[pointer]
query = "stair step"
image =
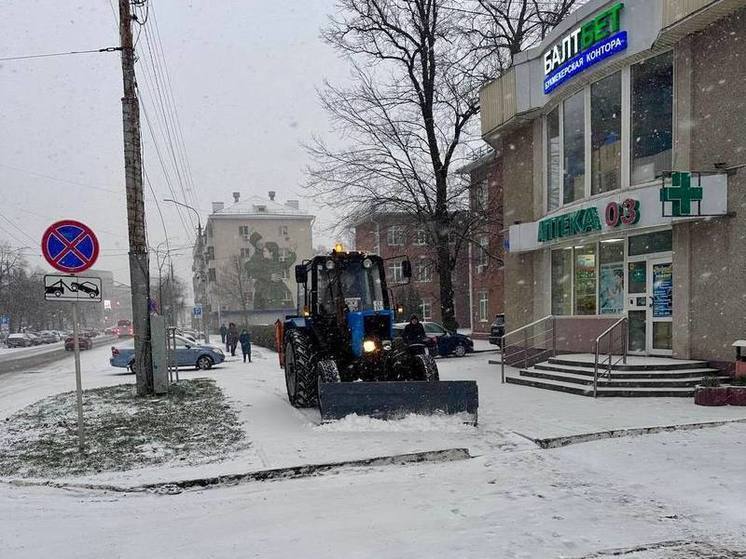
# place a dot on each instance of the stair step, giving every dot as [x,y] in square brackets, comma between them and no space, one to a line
[651,374]
[615,382]
[653,364]
[583,390]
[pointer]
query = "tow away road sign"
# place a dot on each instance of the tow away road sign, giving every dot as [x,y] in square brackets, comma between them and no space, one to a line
[69,246]
[72,288]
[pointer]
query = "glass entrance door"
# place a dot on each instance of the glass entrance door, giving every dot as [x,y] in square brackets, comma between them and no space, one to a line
[650,305]
[660,316]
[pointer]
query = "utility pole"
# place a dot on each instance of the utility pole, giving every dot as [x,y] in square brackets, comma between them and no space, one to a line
[138,247]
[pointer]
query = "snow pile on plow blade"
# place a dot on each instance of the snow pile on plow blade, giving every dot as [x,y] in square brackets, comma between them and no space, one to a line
[394,400]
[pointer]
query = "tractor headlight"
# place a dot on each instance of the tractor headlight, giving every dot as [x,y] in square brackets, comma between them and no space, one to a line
[330,264]
[386,344]
[369,346]
[367,263]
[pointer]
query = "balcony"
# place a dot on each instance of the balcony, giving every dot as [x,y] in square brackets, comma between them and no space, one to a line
[497,102]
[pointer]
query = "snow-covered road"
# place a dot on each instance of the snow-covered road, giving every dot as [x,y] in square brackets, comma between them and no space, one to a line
[512,500]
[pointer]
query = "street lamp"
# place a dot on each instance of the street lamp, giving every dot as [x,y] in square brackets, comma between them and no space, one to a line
[205,325]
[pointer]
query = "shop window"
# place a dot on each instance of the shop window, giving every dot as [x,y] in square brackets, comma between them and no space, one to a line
[573,132]
[660,241]
[562,282]
[611,277]
[606,134]
[553,160]
[652,117]
[585,279]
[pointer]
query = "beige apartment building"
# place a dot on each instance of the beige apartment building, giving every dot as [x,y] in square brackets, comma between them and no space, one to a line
[245,270]
[623,140]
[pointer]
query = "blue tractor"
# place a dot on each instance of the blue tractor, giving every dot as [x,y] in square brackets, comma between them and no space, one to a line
[339,352]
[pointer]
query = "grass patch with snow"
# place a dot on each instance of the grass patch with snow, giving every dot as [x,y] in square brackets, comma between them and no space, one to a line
[193,423]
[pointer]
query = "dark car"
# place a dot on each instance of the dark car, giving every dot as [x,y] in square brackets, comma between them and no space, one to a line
[448,343]
[497,330]
[441,341]
[83,341]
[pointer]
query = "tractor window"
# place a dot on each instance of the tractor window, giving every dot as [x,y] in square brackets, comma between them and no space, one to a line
[360,288]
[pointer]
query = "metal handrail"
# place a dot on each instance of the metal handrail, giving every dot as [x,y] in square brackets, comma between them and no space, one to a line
[621,325]
[526,338]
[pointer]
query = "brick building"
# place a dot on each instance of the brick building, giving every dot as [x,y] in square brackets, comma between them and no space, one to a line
[486,254]
[393,234]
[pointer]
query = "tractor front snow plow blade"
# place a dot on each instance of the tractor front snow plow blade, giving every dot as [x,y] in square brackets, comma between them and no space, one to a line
[394,400]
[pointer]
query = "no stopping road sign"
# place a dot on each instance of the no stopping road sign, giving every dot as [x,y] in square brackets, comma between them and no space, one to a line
[69,246]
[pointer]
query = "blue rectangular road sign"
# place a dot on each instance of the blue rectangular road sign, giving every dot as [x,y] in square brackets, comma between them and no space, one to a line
[197,311]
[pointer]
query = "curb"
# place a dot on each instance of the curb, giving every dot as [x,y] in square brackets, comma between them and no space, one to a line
[559,442]
[280,474]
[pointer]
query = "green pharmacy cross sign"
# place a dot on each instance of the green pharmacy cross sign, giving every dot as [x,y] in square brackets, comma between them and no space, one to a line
[681,194]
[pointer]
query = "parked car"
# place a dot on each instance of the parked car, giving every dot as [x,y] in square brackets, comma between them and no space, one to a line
[20,339]
[49,337]
[35,338]
[497,330]
[188,354]
[441,341]
[448,343]
[84,342]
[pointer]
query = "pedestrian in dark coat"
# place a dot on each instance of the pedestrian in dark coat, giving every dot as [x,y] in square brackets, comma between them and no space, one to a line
[245,339]
[414,332]
[223,332]
[232,338]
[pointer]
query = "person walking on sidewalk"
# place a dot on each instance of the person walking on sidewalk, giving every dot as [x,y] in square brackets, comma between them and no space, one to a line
[245,340]
[232,339]
[223,332]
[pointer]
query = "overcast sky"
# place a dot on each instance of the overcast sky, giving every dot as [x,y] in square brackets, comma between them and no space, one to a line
[243,74]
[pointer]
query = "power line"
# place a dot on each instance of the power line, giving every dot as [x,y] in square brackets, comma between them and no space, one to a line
[51,54]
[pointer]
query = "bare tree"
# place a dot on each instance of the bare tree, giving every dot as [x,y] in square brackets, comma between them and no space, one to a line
[406,119]
[235,285]
[506,27]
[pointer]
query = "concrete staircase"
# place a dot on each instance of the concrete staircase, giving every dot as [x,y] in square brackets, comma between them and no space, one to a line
[639,377]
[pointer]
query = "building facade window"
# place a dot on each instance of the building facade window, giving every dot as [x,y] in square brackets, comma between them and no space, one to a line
[423,271]
[483,306]
[606,134]
[395,235]
[245,253]
[481,195]
[243,230]
[395,272]
[283,230]
[211,274]
[652,117]
[483,254]
[211,253]
[426,310]
[420,236]
[573,133]
[562,282]
[554,176]
[283,256]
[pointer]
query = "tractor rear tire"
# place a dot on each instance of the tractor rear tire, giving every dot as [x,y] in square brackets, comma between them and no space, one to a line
[327,371]
[300,373]
[426,368]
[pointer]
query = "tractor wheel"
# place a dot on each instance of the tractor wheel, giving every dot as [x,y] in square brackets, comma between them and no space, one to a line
[426,368]
[327,371]
[300,374]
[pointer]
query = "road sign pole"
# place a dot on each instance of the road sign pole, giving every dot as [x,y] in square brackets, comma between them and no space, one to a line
[78,385]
